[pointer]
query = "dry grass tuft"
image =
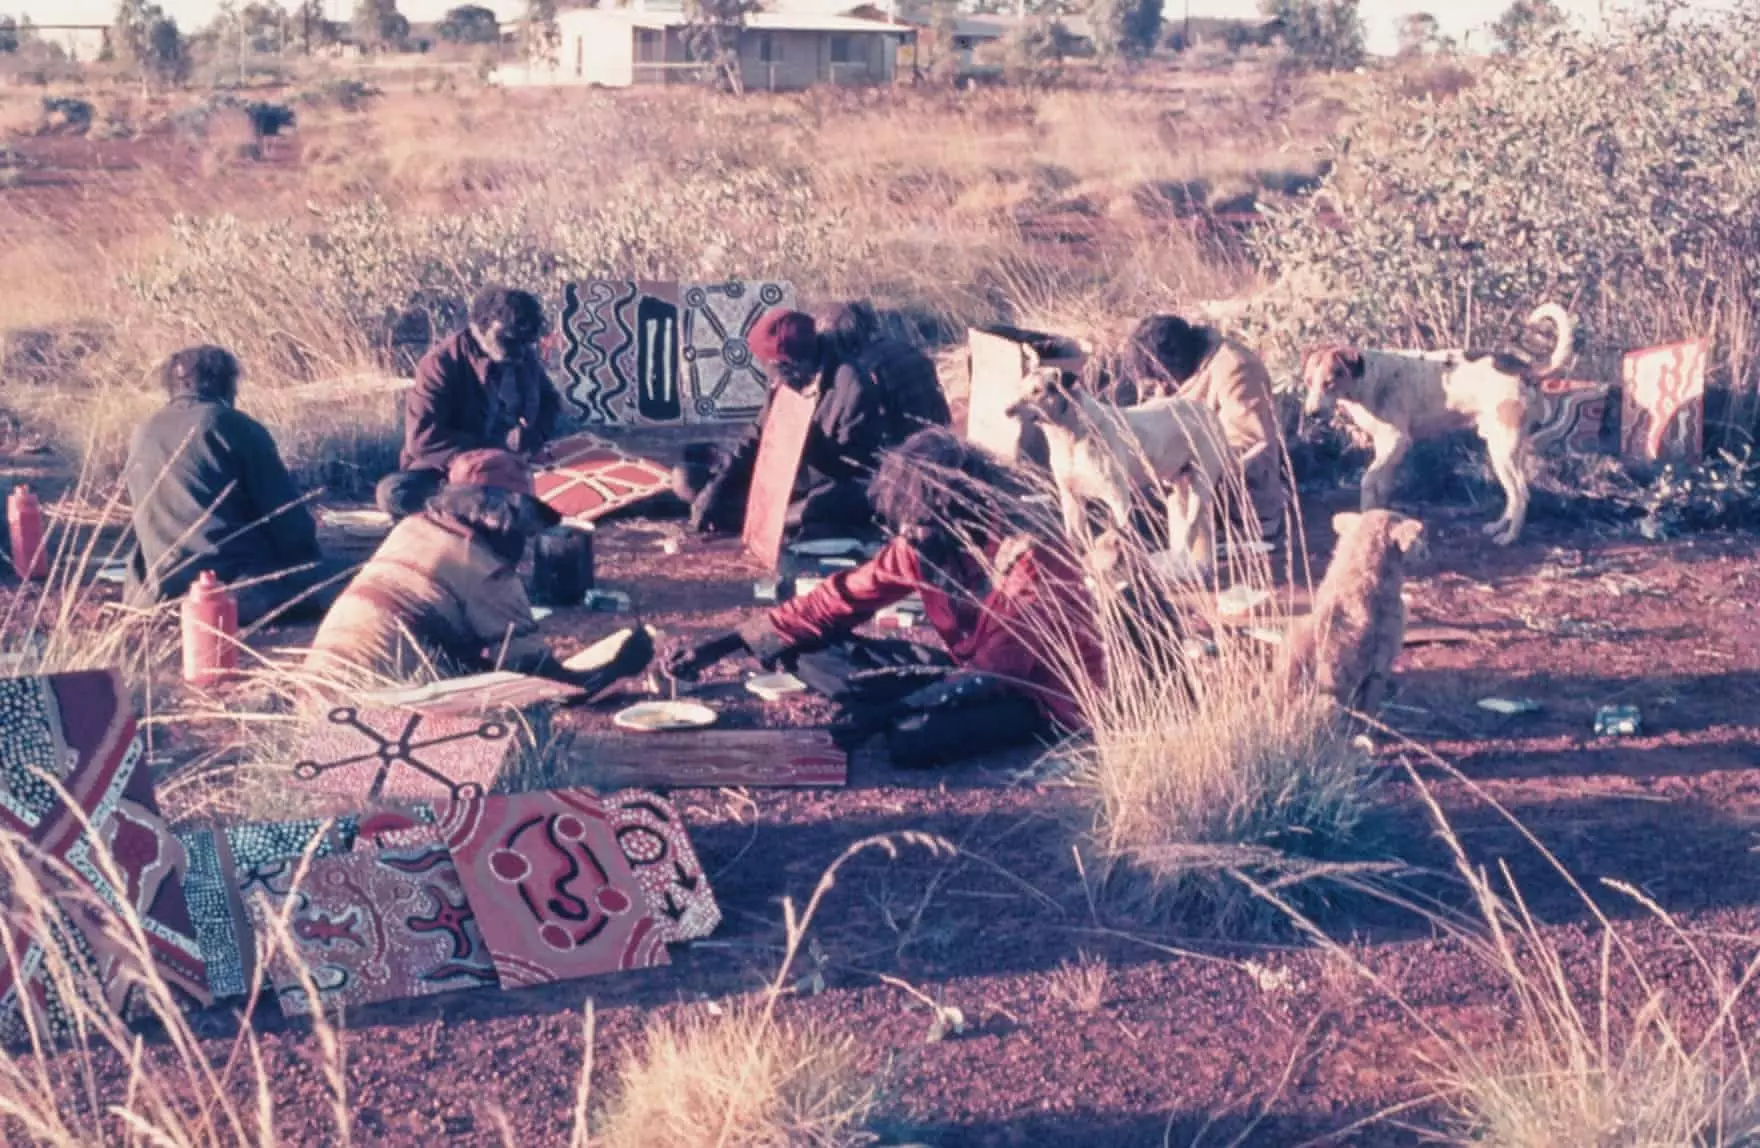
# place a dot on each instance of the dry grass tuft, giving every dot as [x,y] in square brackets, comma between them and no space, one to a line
[745,1079]
[1082,983]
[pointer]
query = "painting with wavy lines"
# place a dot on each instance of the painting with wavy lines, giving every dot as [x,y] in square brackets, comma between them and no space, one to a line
[620,356]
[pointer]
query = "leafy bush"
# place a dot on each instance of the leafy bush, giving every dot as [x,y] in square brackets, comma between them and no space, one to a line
[65,114]
[1621,175]
[269,119]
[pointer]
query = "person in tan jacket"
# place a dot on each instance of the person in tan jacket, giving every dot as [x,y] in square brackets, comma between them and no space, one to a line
[442,594]
[1171,356]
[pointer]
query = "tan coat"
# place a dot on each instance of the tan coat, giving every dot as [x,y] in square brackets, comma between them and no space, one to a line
[432,593]
[1234,383]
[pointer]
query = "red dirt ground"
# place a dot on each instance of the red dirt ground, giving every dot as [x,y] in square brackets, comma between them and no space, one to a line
[1184,1033]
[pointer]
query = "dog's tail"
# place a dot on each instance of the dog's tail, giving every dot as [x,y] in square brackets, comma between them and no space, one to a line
[1565,349]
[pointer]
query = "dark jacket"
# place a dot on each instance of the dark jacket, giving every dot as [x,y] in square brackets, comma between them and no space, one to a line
[1021,613]
[210,492]
[452,408]
[850,429]
[907,379]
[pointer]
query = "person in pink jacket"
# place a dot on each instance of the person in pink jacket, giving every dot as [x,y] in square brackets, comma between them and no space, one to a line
[1009,603]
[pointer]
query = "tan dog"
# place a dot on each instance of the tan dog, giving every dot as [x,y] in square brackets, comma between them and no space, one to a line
[1398,397]
[1107,454]
[1348,644]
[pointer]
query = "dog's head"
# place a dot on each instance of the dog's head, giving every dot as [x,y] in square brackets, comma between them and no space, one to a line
[1403,533]
[1047,396]
[1328,372]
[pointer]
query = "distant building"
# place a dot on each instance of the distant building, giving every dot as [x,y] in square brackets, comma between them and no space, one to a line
[778,51]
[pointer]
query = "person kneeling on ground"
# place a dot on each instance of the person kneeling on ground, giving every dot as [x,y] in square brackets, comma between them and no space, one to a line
[210,492]
[905,375]
[1171,356]
[483,388]
[443,591]
[848,432]
[1009,605]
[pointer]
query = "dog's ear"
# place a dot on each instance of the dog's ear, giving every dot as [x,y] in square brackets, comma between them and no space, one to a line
[1344,522]
[1408,535]
[1350,360]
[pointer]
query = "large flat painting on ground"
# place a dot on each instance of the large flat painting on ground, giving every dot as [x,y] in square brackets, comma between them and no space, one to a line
[590,477]
[556,896]
[1662,411]
[369,753]
[621,353]
[78,732]
[654,842]
[722,380]
[372,925]
[780,758]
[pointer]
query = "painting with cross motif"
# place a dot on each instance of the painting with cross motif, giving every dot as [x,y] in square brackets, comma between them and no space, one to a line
[723,382]
[75,784]
[369,753]
[370,925]
[588,478]
[556,897]
[1662,409]
[621,354]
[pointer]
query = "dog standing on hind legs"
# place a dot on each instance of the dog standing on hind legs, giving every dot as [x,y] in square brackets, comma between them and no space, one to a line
[1398,397]
[1107,454]
[1348,643]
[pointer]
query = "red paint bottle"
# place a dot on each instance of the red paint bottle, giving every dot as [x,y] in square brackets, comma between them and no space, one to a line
[210,631]
[24,526]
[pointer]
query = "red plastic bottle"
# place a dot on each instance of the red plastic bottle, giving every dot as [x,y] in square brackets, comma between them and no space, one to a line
[210,631]
[24,526]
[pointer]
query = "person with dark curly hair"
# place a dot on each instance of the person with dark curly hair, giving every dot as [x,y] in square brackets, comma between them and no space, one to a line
[1007,600]
[482,388]
[210,492]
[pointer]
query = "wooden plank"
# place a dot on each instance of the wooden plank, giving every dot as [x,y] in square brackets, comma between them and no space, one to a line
[784,437]
[770,758]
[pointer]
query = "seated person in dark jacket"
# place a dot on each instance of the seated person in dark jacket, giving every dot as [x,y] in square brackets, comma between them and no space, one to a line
[483,388]
[849,430]
[210,493]
[906,376]
[1020,647]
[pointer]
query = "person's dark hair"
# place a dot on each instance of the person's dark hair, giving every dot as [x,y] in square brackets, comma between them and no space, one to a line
[936,479]
[849,326]
[520,313]
[1167,347]
[504,519]
[207,372]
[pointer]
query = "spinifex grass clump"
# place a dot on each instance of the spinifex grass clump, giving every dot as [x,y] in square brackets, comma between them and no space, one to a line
[1203,759]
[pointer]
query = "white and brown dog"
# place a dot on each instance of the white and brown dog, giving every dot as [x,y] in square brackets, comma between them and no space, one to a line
[1398,397]
[1105,453]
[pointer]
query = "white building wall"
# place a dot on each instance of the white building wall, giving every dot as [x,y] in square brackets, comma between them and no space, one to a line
[598,47]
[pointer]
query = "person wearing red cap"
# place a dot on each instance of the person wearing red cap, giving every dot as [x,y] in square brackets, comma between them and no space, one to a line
[850,429]
[443,592]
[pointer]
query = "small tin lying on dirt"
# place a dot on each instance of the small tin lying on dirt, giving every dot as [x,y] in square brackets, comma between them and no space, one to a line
[769,590]
[607,601]
[1618,721]
[1510,707]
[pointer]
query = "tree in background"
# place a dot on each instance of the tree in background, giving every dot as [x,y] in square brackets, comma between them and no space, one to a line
[311,28]
[538,34]
[711,36]
[379,26]
[470,24]
[8,34]
[1420,34]
[146,39]
[1525,22]
[1324,34]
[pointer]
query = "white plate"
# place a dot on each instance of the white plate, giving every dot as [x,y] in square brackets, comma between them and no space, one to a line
[773,686]
[655,717]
